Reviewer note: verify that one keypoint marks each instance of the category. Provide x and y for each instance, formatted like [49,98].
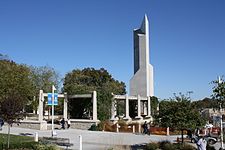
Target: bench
[58,141]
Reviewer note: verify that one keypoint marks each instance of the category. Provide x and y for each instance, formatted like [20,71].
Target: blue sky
[187,38]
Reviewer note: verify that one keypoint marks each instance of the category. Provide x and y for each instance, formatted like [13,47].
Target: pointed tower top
[144,24]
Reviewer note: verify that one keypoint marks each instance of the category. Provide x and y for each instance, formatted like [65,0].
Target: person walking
[201,144]
[145,128]
[63,123]
[68,123]
[1,123]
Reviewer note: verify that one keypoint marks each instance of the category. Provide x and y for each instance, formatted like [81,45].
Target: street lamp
[221,117]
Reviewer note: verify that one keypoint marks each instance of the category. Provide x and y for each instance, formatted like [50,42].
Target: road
[96,140]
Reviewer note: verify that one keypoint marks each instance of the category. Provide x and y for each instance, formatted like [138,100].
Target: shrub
[166,145]
[152,146]
[45,147]
[122,122]
[186,147]
[93,128]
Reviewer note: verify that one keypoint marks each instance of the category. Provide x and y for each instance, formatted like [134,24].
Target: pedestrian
[62,123]
[201,144]
[68,123]
[1,123]
[145,128]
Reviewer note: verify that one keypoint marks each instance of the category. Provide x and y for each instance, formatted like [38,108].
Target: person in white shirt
[201,144]
[68,123]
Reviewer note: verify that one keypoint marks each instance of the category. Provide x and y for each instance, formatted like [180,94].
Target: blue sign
[50,99]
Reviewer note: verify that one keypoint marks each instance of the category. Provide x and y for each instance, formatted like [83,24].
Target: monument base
[31,124]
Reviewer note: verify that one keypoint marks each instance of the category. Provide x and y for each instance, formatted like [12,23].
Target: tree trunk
[182,135]
[8,138]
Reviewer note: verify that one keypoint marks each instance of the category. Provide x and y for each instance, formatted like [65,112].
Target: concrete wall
[82,124]
[32,124]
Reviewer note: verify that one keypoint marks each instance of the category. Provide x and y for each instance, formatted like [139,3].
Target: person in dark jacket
[145,128]
[62,122]
[1,123]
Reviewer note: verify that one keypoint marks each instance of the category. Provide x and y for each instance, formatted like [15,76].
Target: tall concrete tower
[142,81]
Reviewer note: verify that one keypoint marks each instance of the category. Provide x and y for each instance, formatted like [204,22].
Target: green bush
[186,147]
[93,128]
[152,146]
[45,147]
[167,145]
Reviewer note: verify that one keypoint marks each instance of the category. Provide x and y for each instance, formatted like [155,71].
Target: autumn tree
[89,79]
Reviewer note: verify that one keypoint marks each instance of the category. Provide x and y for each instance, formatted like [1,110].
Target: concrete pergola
[140,102]
[65,103]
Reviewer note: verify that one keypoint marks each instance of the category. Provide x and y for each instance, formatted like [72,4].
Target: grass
[23,142]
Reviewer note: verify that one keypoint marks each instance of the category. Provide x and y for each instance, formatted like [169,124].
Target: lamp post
[221,127]
[221,117]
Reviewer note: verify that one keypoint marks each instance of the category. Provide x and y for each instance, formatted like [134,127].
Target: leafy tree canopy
[43,78]
[154,105]
[15,90]
[219,91]
[179,113]
[89,79]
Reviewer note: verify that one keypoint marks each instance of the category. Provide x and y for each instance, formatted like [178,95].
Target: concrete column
[145,108]
[149,106]
[133,128]
[117,127]
[94,99]
[113,108]
[139,107]
[65,106]
[40,106]
[139,128]
[127,108]
[168,131]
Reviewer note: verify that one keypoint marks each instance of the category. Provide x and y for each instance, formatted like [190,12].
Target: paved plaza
[96,140]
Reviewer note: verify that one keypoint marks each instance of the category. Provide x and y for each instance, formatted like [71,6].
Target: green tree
[15,91]
[178,113]
[219,91]
[154,105]
[43,78]
[89,79]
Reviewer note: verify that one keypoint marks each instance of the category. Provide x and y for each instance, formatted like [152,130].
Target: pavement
[96,140]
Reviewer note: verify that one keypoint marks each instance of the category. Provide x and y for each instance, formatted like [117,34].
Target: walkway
[93,140]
